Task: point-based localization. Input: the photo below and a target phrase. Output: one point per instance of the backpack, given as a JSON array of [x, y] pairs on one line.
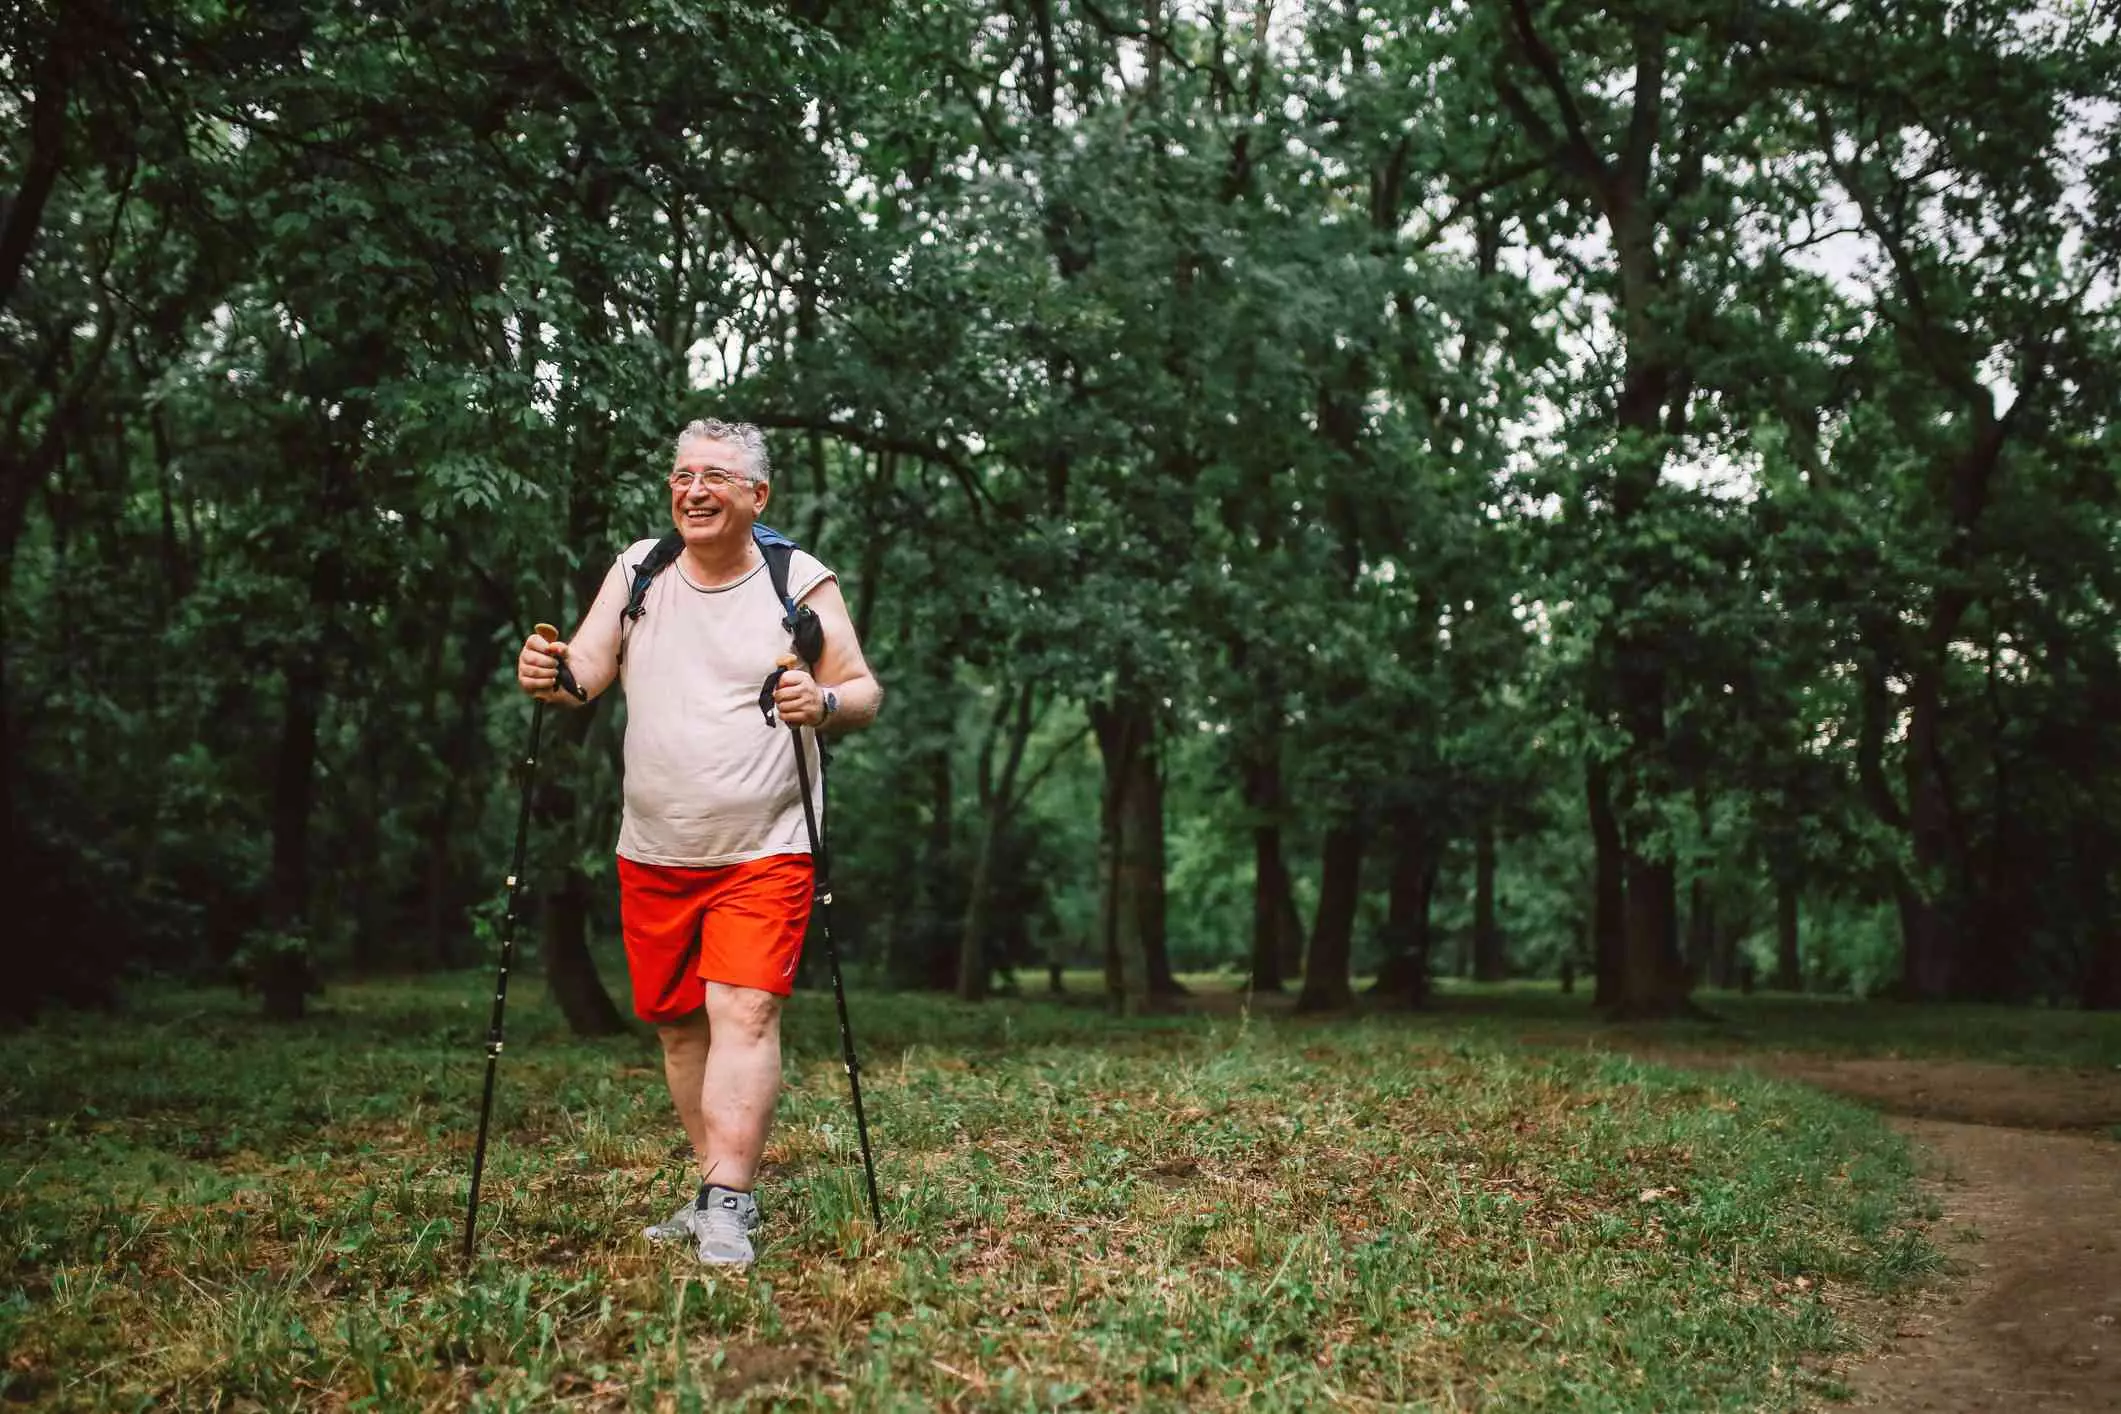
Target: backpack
[[804, 628]]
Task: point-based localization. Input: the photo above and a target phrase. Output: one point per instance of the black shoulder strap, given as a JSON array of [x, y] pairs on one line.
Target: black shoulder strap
[[779, 551], [644, 573], [800, 620]]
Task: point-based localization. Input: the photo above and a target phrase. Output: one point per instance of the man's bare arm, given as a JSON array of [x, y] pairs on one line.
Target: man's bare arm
[[840, 667], [592, 654]]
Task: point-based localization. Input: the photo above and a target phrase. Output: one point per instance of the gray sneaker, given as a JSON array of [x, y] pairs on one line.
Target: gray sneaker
[[723, 1226], [677, 1228]]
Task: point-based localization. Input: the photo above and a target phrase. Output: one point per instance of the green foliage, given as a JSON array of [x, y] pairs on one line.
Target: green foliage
[[1364, 401]]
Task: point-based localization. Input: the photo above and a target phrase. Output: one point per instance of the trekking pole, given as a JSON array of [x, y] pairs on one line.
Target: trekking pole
[[508, 946], [823, 898]]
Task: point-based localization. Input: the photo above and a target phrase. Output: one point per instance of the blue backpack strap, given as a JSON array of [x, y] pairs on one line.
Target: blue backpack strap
[[658, 559], [778, 550], [801, 621]]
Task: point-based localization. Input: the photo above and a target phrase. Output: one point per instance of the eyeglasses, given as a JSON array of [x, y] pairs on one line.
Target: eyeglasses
[[713, 478]]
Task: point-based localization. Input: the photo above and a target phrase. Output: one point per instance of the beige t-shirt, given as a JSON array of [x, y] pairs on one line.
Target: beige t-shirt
[[708, 782]]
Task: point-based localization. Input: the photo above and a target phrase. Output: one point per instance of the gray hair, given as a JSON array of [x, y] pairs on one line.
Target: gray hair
[[744, 435]]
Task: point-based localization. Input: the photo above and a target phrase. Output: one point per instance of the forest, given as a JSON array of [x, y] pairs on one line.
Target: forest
[[1339, 494]]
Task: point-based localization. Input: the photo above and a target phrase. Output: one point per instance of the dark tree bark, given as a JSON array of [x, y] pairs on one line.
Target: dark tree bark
[[23, 212], [2102, 978], [1609, 903], [1624, 187], [1270, 876], [1930, 926], [1789, 961], [1133, 805], [570, 971], [932, 963], [282, 977], [447, 889], [1326, 982], [1156, 919], [1293, 938], [1708, 950], [1404, 976], [1653, 981], [1489, 964], [1013, 720]]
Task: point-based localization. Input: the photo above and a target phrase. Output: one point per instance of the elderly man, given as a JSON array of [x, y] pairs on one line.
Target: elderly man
[[715, 876]]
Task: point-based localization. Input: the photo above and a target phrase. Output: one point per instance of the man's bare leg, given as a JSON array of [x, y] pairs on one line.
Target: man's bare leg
[[740, 1083], [684, 1066]]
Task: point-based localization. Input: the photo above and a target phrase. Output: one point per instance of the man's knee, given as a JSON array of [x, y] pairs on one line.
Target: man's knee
[[684, 1037], [743, 1015]]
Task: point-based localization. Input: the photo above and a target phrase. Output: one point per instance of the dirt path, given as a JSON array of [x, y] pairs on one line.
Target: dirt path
[[2024, 1165], [2031, 1319], [2035, 1221]]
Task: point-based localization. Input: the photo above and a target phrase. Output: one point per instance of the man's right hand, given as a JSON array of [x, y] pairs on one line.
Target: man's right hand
[[538, 668]]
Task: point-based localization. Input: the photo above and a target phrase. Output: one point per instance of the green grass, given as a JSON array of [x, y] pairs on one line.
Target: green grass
[[2056, 1036], [1539, 1011], [203, 1211]]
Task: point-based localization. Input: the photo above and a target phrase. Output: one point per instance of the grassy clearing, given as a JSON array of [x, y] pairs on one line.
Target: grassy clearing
[[1540, 1012], [1201, 1213], [2056, 1036]]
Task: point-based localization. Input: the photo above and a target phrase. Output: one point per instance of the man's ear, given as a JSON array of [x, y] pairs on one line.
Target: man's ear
[[764, 492]]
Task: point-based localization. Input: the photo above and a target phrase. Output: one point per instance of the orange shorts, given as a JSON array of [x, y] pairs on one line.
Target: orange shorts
[[741, 924]]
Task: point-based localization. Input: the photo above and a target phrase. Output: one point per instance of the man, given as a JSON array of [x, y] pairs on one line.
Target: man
[[715, 875]]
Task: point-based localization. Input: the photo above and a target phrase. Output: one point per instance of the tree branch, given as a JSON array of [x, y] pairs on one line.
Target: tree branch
[[47, 151], [1648, 112], [1578, 147]]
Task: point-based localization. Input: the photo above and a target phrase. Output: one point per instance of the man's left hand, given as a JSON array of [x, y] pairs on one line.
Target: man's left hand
[[799, 701]]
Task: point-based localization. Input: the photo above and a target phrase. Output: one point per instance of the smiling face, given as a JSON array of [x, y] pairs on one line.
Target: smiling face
[[714, 497]]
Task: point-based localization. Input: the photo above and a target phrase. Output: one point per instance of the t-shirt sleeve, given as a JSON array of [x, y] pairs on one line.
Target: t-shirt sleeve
[[805, 573]]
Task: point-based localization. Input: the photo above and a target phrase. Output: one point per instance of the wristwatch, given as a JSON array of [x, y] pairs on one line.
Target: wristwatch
[[832, 703]]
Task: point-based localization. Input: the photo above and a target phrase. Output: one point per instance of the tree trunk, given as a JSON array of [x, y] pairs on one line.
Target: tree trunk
[[2102, 977], [1013, 719], [1609, 904], [1653, 980], [1292, 923], [972, 963], [1789, 962], [570, 972], [935, 958], [281, 974], [1488, 962], [22, 214], [284, 975], [462, 759], [1326, 984], [1270, 877], [1702, 956], [1132, 804], [1930, 960], [1404, 976], [1156, 919]]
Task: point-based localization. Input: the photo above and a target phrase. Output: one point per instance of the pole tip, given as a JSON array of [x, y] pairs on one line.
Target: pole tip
[[548, 631], [786, 661]]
